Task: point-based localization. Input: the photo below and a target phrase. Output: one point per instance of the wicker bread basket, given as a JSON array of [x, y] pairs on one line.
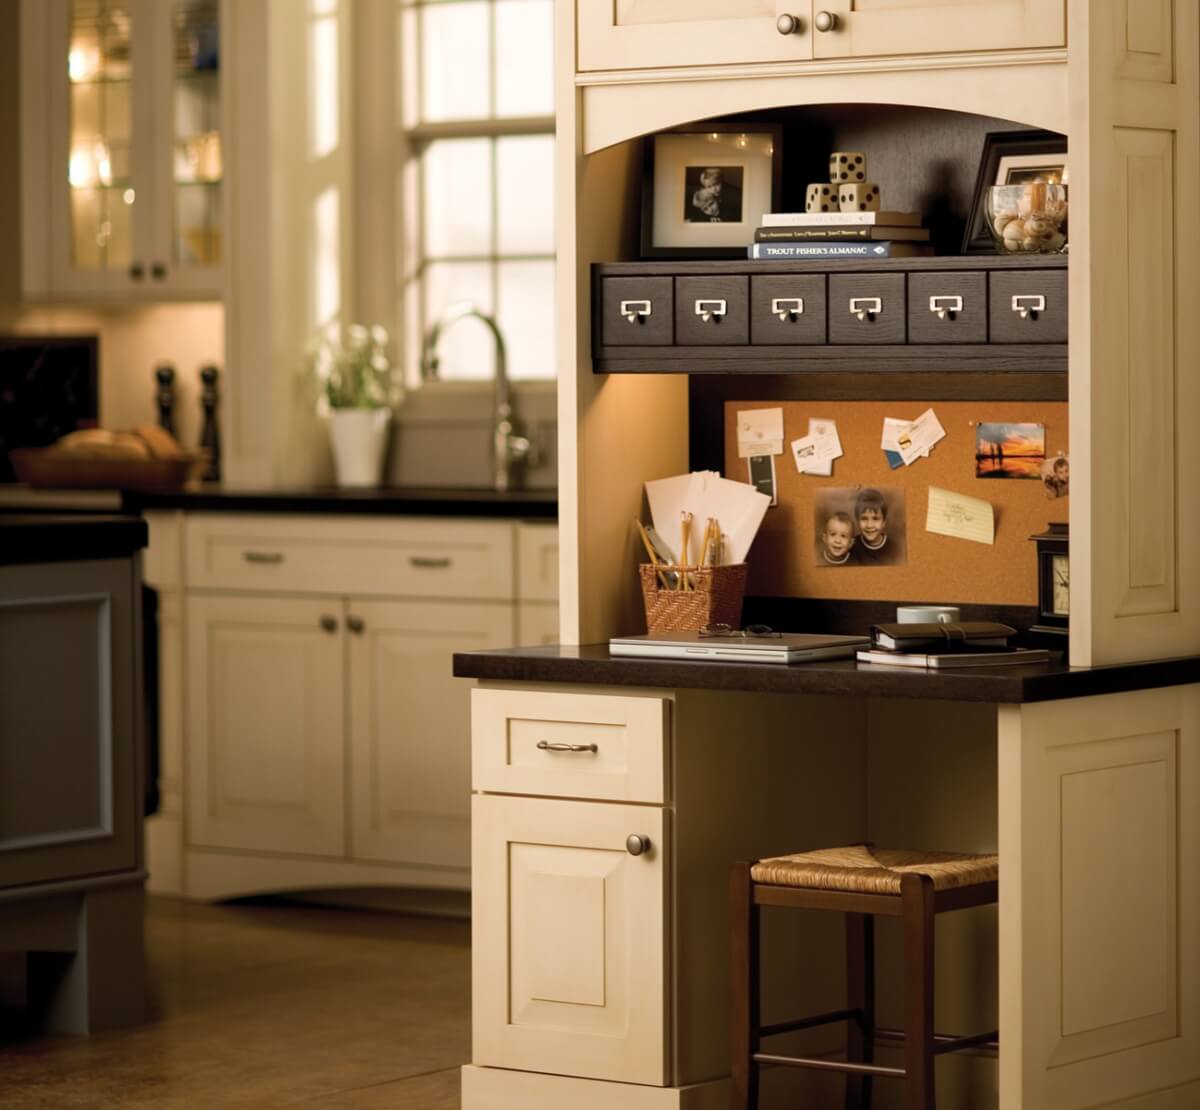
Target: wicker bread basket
[[716, 598]]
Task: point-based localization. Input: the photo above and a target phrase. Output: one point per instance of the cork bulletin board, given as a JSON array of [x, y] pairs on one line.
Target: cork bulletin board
[[937, 568]]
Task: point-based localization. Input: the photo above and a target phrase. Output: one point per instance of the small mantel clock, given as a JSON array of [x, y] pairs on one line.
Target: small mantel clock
[[1054, 580]]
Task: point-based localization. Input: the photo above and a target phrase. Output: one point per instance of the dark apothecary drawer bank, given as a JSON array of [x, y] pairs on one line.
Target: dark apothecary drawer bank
[[978, 313]]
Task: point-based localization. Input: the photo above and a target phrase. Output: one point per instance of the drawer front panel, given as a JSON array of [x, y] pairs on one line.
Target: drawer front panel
[[787, 309], [636, 312], [711, 311], [1028, 307], [947, 308], [879, 298], [569, 745], [414, 558]]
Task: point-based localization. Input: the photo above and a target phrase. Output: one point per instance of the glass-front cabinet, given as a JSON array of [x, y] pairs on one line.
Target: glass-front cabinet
[[129, 149]]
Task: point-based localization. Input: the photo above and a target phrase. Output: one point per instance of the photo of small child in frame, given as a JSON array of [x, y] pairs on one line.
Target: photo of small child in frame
[[859, 527], [712, 194], [1056, 476]]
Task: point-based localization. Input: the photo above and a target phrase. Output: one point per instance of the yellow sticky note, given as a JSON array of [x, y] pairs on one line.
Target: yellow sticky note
[[955, 514]]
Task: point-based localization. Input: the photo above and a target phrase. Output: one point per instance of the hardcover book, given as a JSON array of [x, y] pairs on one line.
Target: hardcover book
[[886, 249], [839, 233], [824, 219]]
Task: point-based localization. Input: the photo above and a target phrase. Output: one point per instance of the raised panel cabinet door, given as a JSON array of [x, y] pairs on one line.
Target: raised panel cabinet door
[[871, 28], [265, 731], [641, 34], [410, 726], [568, 959]]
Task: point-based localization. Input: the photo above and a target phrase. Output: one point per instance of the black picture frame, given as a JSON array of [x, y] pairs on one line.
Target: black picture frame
[[998, 145], [651, 245]]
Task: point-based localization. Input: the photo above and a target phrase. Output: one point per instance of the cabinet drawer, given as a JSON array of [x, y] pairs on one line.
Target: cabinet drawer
[[879, 298], [947, 308], [569, 745], [636, 312], [1040, 294], [711, 310], [787, 308], [339, 555]]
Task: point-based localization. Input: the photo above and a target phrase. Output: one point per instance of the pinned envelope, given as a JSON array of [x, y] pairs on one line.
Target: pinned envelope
[[760, 432]]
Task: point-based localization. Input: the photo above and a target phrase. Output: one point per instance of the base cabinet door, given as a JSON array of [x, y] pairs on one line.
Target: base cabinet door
[[265, 723], [410, 726], [568, 956]]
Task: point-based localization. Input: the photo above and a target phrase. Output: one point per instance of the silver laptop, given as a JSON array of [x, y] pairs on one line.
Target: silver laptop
[[787, 647]]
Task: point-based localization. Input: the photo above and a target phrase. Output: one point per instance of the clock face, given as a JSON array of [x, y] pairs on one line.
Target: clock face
[[1060, 585]]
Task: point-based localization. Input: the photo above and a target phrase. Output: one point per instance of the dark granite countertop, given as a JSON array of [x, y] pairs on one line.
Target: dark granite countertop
[[592, 664], [389, 500], [47, 538]]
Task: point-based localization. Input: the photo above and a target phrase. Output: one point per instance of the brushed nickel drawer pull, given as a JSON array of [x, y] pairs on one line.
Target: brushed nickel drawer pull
[[356, 625], [787, 308], [826, 22], [945, 306], [789, 24], [710, 310], [429, 562], [328, 623], [265, 558], [637, 843], [636, 311], [549, 746], [866, 308], [1029, 305]]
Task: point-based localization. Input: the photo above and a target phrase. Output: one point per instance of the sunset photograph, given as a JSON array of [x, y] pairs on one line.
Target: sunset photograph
[[1010, 450]]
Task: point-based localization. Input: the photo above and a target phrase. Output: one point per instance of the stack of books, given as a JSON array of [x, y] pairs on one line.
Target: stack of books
[[789, 235], [938, 646]]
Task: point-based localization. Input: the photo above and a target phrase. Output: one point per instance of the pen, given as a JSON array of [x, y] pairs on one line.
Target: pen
[[662, 580], [685, 531]]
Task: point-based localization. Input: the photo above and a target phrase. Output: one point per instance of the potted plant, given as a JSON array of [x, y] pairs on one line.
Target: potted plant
[[358, 386]]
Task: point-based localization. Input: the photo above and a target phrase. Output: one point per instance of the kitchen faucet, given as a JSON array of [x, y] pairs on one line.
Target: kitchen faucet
[[508, 449]]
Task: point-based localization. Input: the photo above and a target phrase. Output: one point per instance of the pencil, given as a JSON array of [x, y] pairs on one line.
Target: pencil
[[662, 581]]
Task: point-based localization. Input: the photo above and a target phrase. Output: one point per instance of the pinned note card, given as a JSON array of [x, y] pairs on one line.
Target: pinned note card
[[955, 514], [825, 434], [760, 432], [920, 438]]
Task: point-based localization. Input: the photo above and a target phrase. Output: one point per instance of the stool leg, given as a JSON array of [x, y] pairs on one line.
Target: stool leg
[[860, 995], [917, 894], [745, 1015]]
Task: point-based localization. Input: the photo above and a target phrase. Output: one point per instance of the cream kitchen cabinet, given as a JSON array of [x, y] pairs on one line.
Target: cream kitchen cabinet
[[122, 126], [640, 34]]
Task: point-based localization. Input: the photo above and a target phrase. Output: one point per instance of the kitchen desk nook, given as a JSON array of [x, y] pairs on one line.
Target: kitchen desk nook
[[611, 795]]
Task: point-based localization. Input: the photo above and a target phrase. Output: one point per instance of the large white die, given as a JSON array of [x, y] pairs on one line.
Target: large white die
[[858, 198], [821, 198], [847, 167]]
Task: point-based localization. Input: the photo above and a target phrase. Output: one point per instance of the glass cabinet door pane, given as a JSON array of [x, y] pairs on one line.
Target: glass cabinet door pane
[[197, 169], [100, 135]]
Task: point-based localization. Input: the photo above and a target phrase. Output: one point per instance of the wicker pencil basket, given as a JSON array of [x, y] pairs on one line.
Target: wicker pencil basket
[[716, 599]]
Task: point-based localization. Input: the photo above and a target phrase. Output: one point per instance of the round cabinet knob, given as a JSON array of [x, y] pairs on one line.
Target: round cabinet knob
[[356, 625], [636, 844], [137, 271], [789, 24], [328, 623], [825, 21]]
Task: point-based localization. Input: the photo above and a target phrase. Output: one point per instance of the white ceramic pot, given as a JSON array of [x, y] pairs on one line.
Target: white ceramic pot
[[359, 439]]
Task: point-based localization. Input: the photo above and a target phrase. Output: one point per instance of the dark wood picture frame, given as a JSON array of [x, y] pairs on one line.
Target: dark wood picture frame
[[742, 127], [977, 239]]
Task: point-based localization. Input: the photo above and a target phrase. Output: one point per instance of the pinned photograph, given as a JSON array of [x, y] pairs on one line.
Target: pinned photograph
[[1010, 450], [859, 527], [1056, 476], [712, 194]]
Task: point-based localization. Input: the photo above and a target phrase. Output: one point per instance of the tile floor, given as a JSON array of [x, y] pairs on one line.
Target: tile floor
[[268, 1005]]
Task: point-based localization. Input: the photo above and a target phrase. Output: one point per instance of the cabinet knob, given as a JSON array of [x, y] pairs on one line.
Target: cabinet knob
[[356, 625], [137, 271], [789, 24], [158, 271], [636, 844], [328, 623], [825, 21]]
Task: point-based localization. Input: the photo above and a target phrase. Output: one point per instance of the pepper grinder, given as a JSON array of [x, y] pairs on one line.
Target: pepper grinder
[[164, 396], [210, 436]]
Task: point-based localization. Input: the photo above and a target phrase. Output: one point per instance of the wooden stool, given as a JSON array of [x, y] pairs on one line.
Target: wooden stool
[[859, 881]]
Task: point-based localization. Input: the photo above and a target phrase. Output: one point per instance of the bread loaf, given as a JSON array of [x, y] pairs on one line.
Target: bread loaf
[[161, 443], [99, 443]]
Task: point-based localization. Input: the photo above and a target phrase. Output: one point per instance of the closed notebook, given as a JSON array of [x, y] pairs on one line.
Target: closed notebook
[[942, 637], [786, 647], [963, 657]]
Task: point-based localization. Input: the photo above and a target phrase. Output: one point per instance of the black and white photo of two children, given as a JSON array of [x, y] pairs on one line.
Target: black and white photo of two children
[[859, 527]]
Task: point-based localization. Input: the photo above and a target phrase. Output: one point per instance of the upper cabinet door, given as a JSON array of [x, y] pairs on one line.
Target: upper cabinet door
[[873, 28], [640, 34]]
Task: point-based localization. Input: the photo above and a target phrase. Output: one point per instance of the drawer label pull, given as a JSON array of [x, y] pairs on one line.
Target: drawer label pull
[[265, 558], [1028, 305], [945, 306], [636, 311], [866, 308], [429, 562], [788, 309], [710, 310], [554, 746]]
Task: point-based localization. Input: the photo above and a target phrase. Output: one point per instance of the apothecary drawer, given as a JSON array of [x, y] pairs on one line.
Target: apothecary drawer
[[637, 311], [1028, 306], [712, 311], [866, 308], [569, 745], [787, 308], [429, 557], [947, 308]]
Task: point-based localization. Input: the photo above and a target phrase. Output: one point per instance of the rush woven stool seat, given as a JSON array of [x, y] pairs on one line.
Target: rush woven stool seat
[[860, 881]]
